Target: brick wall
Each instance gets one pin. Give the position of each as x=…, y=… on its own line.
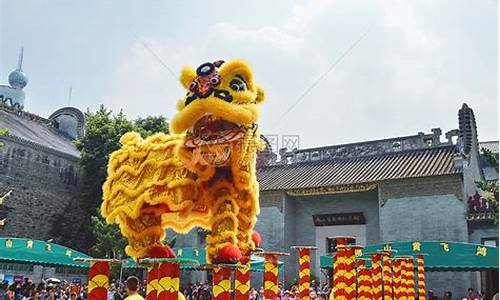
x=43, y=183
x=426, y=209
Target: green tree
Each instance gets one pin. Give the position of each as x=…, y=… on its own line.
x=490, y=187
x=149, y=125
x=109, y=242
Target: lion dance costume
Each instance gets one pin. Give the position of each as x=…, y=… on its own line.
x=202, y=175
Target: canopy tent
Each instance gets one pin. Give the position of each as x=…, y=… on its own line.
x=19, y=250
x=440, y=255
x=256, y=262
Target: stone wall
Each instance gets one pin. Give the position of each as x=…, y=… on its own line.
x=43, y=183
x=426, y=209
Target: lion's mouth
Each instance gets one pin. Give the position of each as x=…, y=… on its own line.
x=211, y=130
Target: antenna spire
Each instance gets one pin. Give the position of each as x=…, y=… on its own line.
x=69, y=95
x=20, y=62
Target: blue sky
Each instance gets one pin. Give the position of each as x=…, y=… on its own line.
x=418, y=63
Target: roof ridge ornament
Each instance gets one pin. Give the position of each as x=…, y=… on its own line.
x=467, y=130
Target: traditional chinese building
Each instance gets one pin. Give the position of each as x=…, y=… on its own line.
x=409, y=188
x=39, y=163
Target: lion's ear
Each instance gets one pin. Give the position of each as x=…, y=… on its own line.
x=188, y=74
x=261, y=95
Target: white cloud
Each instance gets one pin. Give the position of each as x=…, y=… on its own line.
x=409, y=74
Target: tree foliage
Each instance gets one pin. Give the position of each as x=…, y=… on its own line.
x=102, y=135
x=109, y=242
x=490, y=187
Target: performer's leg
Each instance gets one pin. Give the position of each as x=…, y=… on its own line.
x=247, y=217
x=145, y=234
x=222, y=241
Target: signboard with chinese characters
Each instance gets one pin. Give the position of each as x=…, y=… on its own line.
x=339, y=219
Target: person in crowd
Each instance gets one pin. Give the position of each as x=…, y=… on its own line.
x=447, y=295
x=132, y=285
x=471, y=294
x=431, y=296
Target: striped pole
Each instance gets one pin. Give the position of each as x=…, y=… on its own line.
x=340, y=241
x=410, y=273
x=364, y=284
x=163, y=279
x=345, y=276
x=387, y=281
x=98, y=276
x=304, y=270
x=221, y=287
x=242, y=280
x=377, y=271
x=421, y=277
x=397, y=279
x=271, y=273
x=152, y=283
x=168, y=281
x=98, y=280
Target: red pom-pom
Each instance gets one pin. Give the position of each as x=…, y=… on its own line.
x=161, y=252
x=256, y=238
x=229, y=254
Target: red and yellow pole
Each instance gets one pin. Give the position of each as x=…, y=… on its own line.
x=345, y=274
x=339, y=241
x=410, y=273
x=377, y=271
x=421, y=277
x=221, y=287
x=387, y=276
x=152, y=283
x=242, y=280
x=98, y=276
x=398, y=293
x=271, y=273
x=168, y=281
x=163, y=279
x=98, y=280
x=304, y=270
x=364, y=285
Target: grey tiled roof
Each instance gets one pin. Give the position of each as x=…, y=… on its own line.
x=490, y=145
x=37, y=132
x=335, y=172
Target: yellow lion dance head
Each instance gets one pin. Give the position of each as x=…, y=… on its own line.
x=220, y=108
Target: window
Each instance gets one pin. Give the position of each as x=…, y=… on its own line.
x=331, y=243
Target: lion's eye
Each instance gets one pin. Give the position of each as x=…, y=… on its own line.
x=238, y=84
x=214, y=81
x=192, y=86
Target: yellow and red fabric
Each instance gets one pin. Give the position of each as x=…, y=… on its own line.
x=98, y=280
x=304, y=273
x=410, y=279
x=152, y=283
x=271, y=276
x=364, y=285
x=340, y=241
x=377, y=271
x=344, y=280
x=221, y=287
x=387, y=282
x=242, y=280
x=168, y=274
x=398, y=291
x=421, y=277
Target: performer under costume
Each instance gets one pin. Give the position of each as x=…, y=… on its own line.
x=202, y=174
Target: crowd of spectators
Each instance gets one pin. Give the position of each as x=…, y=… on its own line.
x=27, y=290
